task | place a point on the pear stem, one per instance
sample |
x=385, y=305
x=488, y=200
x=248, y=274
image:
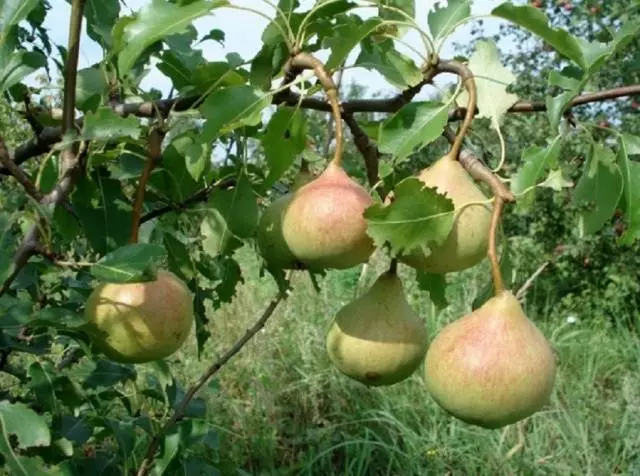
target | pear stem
x=498, y=281
x=306, y=61
x=155, y=154
x=466, y=75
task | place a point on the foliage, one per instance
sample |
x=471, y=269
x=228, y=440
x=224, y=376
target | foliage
x=233, y=137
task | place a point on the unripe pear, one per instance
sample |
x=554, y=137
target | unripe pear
x=466, y=245
x=377, y=339
x=491, y=367
x=140, y=322
x=324, y=225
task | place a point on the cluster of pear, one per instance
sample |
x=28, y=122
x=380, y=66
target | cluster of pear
x=490, y=368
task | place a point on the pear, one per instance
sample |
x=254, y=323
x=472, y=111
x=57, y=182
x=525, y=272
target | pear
x=491, y=367
x=271, y=243
x=466, y=245
x=140, y=322
x=324, y=225
x=377, y=339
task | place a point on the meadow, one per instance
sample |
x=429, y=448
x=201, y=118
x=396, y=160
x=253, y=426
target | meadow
x=280, y=408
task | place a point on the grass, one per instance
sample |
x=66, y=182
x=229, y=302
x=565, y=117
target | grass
x=281, y=408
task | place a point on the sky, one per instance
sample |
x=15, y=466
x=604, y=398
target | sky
x=243, y=31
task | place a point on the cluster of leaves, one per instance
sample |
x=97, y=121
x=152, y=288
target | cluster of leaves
x=221, y=158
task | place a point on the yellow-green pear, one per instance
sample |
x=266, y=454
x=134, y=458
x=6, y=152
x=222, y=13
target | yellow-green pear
x=378, y=339
x=324, y=225
x=466, y=245
x=140, y=322
x=491, y=367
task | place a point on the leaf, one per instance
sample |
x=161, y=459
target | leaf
x=492, y=80
x=75, y=429
x=397, y=68
x=178, y=256
x=101, y=16
x=534, y=20
x=346, y=37
x=42, y=375
x=168, y=451
x=231, y=107
x=598, y=191
x=535, y=161
x=13, y=12
x=172, y=177
x=20, y=65
x=417, y=217
x=29, y=428
x=130, y=263
x=200, y=311
x=631, y=143
x=17, y=465
x=103, y=211
x=435, y=285
x=7, y=244
x=556, y=181
x=443, y=20
x=414, y=126
x=285, y=137
x=106, y=125
x=105, y=373
x=630, y=200
x=91, y=82
x=198, y=158
x=155, y=21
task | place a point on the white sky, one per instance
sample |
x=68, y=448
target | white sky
x=243, y=31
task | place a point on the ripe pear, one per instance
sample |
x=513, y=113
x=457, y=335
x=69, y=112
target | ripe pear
x=466, y=244
x=491, y=367
x=377, y=339
x=140, y=322
x=271, y=243
x=324, y=225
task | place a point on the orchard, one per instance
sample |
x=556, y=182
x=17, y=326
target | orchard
x=131, y=221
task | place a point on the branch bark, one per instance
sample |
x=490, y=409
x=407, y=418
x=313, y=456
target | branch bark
x=150, y=456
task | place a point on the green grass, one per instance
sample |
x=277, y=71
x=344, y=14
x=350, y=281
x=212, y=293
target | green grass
x=281, y=408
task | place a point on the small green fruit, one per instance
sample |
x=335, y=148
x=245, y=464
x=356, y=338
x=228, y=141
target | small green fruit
x=491, y=367
x=140, y=322
x=377, y=339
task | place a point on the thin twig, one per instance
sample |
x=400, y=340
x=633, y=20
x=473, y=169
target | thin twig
x=145, y=467
x=529, y=282
x=19, y=174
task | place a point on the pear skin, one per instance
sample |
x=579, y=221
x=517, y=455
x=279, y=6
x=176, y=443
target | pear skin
x=378, y=339
x=491, y=367
x=468, y=240
x=324, y=225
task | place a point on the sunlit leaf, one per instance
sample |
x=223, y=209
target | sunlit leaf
x=443, y=20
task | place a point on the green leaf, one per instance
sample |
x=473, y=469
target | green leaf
x=630, y=201
x=443, y=20
x=104, y=373
x=493, y=99
x=17, y=465
x=534, y=20
x=556, y=106
x=535, y=161
x=285, y=137
x=397, y=68
x=29, y=428
x=346, y=37
x=598, y=191
x=198, y=159
x=417, y=217
x=106, y=125
x=168, y=451
x=200, y=311
x=436, y=286
x=75, y=429
x=155, y=21
x=101, y=16
x=130, y=263
x=42, y=376
x=172, y=177
x=91, y=82
x=231, y=107
x=13, y=12
x=8, y=243
x=178, y=256
x=20, y=65
x=631, y=144
x=103, y=210
x=414, y=126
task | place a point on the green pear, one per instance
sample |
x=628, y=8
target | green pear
x=491, y=367
x=467, y=243
x=324, y=225
x=378, y=339
x=140, y=322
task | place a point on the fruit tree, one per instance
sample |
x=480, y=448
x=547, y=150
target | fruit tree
x=121, y=209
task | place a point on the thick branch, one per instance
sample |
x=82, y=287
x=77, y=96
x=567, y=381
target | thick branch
x=145, y=467
x=366, y=147
x=17, y=172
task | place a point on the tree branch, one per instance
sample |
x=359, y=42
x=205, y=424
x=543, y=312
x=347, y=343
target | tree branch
x=145, y=467
x=17, y=172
